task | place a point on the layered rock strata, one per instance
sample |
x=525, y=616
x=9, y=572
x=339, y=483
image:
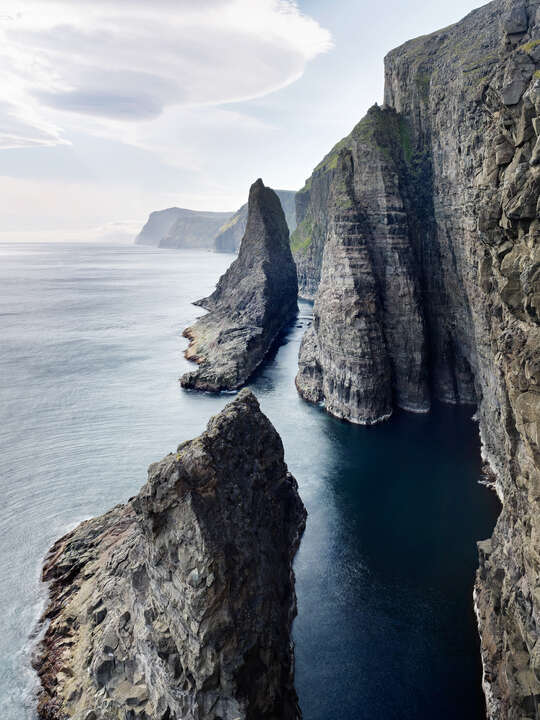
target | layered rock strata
x=179, y=604
x=366, y=348
x=231, y=233
x=427, y=218
x=253, y=301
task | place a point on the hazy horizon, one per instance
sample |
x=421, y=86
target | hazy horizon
x=115, y=109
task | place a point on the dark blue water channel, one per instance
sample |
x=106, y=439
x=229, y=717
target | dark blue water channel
x=90, y=354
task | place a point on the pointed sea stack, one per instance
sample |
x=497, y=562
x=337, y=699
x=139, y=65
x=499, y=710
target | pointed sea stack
x=253, y=301
x=179, y=604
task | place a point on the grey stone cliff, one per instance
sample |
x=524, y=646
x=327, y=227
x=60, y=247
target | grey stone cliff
x=253, y=301
x=180, y=228
x=231, y=233
x=418, y=237
x=179, y=604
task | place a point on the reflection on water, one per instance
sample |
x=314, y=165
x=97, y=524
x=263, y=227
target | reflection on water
x=90, y=355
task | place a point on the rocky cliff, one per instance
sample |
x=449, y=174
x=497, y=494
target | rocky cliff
x=181, y=228
x=194, y=229
x=231, y=233
x=157, y=226
x=253, y=301
x=418, y=236
x=179, y=604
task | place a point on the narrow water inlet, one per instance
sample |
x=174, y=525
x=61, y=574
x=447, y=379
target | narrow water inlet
x=385, y=572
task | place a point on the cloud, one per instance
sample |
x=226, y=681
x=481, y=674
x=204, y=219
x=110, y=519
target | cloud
x=129, y=61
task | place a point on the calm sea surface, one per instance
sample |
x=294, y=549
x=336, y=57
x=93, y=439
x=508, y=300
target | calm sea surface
x=90, y=353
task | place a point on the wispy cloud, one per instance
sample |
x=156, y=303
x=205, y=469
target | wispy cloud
x=106, y=65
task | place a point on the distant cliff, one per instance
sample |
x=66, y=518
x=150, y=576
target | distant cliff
x=180, y=228
x=220, y=231
x=231, y=233
x=157, y=226
x=253, y=301
x=179, y=604
x=418, y=237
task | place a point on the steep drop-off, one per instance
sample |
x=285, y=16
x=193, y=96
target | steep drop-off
x=179, y=604
x=181, y=228
x=418, y=237
x=231, y=233
x=253, y=301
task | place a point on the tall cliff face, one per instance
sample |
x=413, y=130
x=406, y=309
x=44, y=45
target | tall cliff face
x=253, y=301
x=179, y=605
x=420, y=231
x=231, y=233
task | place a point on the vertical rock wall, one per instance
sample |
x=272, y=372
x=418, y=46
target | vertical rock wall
x=426, y=220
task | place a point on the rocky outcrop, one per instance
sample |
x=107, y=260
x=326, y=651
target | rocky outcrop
x=253, y=301
x=419, y=235
x=231, y=233
x=179, y=604
x=180, y=228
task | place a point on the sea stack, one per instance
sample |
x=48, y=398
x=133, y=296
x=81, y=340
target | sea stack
x=253, y=301
x=179, y=604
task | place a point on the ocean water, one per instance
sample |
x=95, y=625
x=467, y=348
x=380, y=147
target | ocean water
x=90, y=355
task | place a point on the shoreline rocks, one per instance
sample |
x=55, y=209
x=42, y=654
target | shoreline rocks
x=179, y=604
x=253, y=302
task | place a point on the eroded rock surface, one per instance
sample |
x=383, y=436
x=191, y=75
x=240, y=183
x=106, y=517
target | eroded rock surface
x=426, y=219
x=179, y=604
x=253, y=301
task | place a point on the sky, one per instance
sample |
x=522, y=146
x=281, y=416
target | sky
x=114, y=108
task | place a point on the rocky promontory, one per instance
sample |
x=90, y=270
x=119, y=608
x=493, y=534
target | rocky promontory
x=179, y=604
x=253, y=301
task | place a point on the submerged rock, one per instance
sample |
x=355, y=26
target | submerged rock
x=179, y=604
x=253, y=301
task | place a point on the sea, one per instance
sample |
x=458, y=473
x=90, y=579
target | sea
x=91, y=350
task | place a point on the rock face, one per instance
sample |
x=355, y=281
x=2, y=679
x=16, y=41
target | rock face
x=366, y=347
x=253, y=301
x=231, y=233
x=418, y=236
x=179, y=604
x=181, y=228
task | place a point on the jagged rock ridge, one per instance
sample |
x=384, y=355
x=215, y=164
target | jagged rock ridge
x=179, y=604
x=231, y=233
x=253, y=301
x=426, y=218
